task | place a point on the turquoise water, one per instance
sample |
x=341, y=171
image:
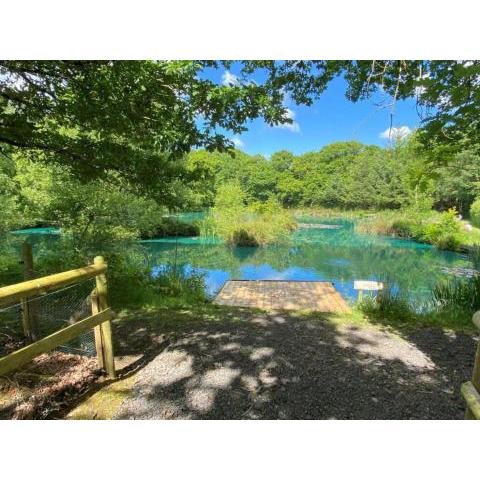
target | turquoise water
x=338, y=255
x=38, y=231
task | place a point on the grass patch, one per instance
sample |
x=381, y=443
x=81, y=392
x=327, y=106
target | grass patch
x=325, y=212
x=451, y=307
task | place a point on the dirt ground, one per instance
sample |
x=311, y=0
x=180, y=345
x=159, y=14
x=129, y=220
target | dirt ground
x=241, y=364
x=46, y=386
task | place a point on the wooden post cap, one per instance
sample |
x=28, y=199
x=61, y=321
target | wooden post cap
x=476, y=319
x=98, y=260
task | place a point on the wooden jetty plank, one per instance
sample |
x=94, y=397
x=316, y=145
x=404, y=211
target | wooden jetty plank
x=282, y=295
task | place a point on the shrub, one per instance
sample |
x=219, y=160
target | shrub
x=244, y=239
x=475, y=212
x=252, y=229
x=238, y=224
x=170, y=227
x=447, y=242
x=230, y=197
x=443, y=230
x=444, y=233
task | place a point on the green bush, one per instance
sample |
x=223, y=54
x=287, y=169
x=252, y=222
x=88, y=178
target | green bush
x=443, y=230
x=475, y=212
x=447, y=241
x=260, y=223
x=444, y=233
x=253, y=229
x=242, y=238
x=170, y=227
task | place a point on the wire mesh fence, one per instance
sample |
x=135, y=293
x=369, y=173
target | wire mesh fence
x=49, y=313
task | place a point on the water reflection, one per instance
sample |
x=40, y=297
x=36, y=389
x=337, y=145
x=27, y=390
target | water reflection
x=337, y=255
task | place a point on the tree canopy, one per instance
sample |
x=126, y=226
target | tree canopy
x=341, y=175
x=131, y=123
x=135, y=117
x=447, y=94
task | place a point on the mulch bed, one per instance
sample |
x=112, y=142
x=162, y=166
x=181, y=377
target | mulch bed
x=46, y=385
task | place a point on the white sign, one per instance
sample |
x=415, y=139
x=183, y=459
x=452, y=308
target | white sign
x=367, y=285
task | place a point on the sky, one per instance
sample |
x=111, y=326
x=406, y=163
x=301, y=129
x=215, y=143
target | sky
x=332, y=118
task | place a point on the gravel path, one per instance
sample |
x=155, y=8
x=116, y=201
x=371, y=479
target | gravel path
x=273, y=366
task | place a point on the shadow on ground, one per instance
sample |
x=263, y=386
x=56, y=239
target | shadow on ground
x=253, y=365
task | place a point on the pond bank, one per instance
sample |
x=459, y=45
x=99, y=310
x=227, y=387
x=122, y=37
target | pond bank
x=441, y=229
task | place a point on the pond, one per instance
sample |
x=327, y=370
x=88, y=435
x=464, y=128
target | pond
x=331, y=250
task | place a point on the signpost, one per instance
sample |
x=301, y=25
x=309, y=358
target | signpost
x=368, y=285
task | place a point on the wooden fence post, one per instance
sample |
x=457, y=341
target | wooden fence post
x=476, y=367
x=105, y=327
x=98, y=332
x=28, y=309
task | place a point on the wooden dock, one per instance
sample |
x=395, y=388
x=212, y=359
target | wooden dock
x=282, y=295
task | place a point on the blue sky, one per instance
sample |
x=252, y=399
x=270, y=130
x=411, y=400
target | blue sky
x=332, y=118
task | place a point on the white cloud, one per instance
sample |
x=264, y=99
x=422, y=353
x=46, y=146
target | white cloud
x=294, y=126
x=420, y=90
x=396, y=133
x=229, y=79
x=237, y=142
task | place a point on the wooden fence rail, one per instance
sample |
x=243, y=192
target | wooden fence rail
x=471, y=390
x=100, y=320
x=40, y=286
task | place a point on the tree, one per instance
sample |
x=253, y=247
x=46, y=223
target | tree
x=458, y=183
x=9, y=196
x=322, y=173
x=447, y=94
x=374, y=180
x=136, y=118
x=342, y=174
x=91, y=214
x=282, y=161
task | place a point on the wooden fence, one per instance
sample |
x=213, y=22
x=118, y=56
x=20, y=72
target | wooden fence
x=471, y=390
x=100, y=320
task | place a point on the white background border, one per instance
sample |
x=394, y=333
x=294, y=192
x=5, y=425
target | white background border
x=253, y=29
